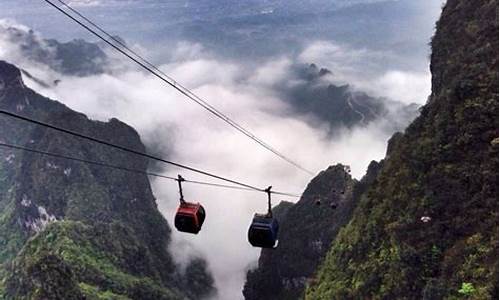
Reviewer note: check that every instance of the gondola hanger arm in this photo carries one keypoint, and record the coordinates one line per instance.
(269, 210)
(180, 179)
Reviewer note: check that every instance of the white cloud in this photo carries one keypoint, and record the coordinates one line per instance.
(361, 68)
(96, 3)
(83, 3)
(271, 73)
(407, 87)
(186, 51)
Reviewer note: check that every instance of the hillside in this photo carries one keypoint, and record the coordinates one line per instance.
(74, 231)
(307, 229)
(427, 228)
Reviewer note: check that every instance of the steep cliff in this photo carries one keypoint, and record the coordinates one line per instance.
(427, 228)
(75, 231)
(306, 231)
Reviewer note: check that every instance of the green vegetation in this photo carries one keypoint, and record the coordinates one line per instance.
(445, 167)
(11, 238)
(467, 289)
(82, 258)
(94, 293)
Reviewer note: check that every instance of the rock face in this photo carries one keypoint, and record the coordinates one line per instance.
(306, 231)
(75, 231)
(427, 228)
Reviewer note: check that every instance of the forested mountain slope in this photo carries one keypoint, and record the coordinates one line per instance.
(306, 231)
(75, 231)
(427, 228)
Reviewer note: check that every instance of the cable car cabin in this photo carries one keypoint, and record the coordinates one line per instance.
(189, 217)
(263, 231)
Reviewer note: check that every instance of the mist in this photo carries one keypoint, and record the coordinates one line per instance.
(183, 132)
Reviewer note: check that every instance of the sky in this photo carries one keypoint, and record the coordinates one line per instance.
(232, 54)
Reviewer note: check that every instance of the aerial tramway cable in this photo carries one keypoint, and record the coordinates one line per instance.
(145, 64)
(106, 165)
(125, 149)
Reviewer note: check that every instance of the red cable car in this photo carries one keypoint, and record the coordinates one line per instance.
(190, 216)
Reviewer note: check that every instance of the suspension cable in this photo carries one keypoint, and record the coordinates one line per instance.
(126, 149)
(111, 166)
(145, 64)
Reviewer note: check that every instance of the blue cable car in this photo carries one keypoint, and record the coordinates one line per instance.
(263, 231)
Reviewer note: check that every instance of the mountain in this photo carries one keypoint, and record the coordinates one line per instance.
(76, 57)
(307, 228)
(309, 91)
(70, 230)
(427, 228)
